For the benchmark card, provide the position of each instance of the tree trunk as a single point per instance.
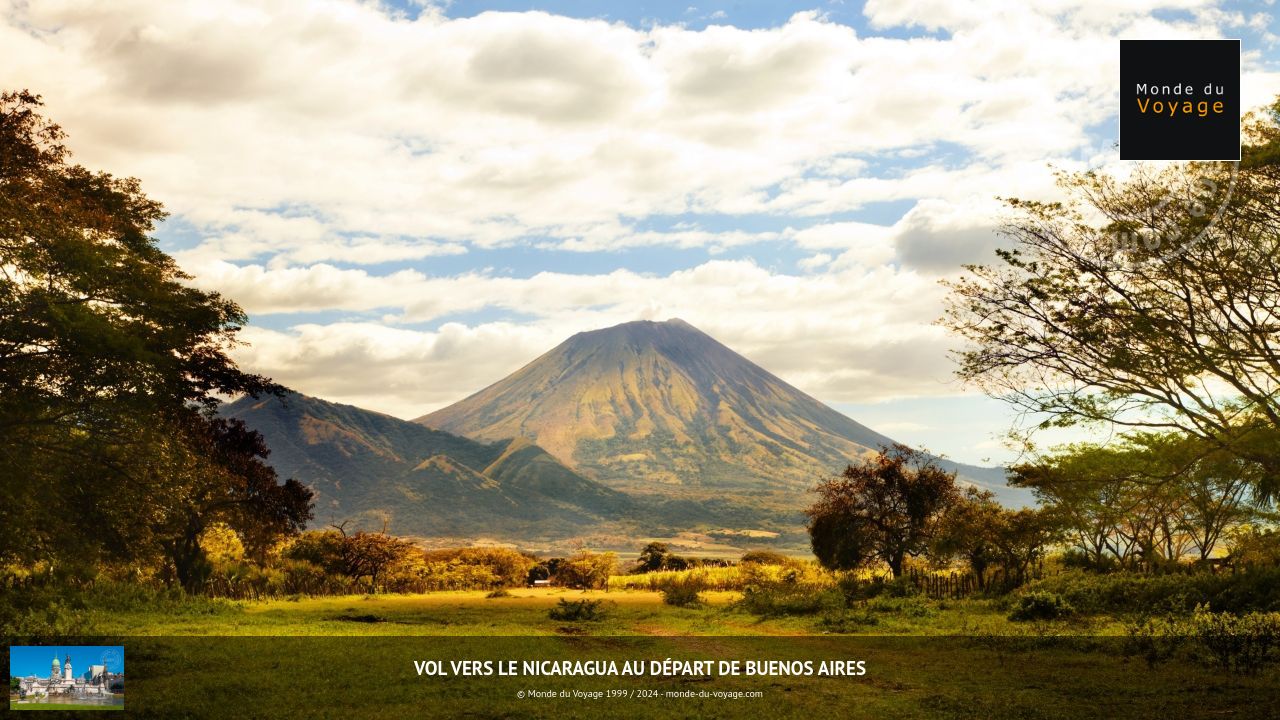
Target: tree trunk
(895, 564)
(186, 553)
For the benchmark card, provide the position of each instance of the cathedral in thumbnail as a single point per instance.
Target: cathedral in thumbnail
(62, 681)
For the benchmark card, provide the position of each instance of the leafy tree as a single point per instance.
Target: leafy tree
(322, 548)
(214, 473)
(654, 556)
(883, 510)
(1085, 489)
(587, 570)
(111, 366)
(1161, 315)
(1020, 539)
(370, 554)
(1146, 498)
(221, 544)
(1214, 488)
(1254, 545)
(986, 535)
(968, 529)
(765, 557)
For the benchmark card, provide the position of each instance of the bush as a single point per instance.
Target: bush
(845, 621)
(499, 593)
(899, 587)
(1038, 605)
(1156, 639)
(795, 600)
(1256, 589)
(577, 611)
(766, 557)
(683, 591)
(914, 606)
(1251, 546)
(1238, 643)
(795, 589)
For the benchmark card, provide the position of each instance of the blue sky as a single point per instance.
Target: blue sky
(36, 660)
(412, 200)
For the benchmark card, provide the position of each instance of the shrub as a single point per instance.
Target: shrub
(914, 606)
(499, 593)
(765, 557)
(845, 621)
(793, 600)
(1256, 589)
(1253, 546)
(1238, 643)
(683, 591)
(577, 611)
(1038, 605)
(1156, 639)
(899, 587)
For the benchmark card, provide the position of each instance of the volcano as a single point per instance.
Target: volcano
(662, 408)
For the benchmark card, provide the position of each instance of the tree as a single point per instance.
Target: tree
(1093, 494)
(369, 554)
(654, 556)
(221, 544)
(968, 531)
(587, 570)
(1215, 488)
(986, 535)
(1147, 498)
(1162, 315)
(1020, 538)
(217, 465)
(883, 510)
(111, 369)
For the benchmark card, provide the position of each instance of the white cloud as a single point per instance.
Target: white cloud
(856, 335)
(301, 139)
(815, 262)
(500, 127)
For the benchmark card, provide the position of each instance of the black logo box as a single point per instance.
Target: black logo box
(1187, 68)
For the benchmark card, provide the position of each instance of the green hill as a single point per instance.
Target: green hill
(369, 468)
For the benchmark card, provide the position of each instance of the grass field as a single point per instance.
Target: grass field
(352, 656)
(627, 612)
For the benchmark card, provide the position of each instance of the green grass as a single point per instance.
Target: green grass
(917, 678)
(629, 612)
(352, 656)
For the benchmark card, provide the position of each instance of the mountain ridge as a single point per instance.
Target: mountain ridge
(376, 469)
(663, 408)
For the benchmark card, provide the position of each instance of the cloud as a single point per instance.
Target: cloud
(508, 128)
(939, 236)
(308, 144)
(856, 335)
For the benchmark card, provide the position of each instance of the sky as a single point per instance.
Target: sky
(38, 660)
(412, 200)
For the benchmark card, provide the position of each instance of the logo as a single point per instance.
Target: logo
(1180, 100)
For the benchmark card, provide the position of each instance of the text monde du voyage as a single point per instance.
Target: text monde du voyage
(1179, 100)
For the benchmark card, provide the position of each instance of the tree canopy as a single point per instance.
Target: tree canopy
(1144, 499)
(883, 510)
(1151, 302)
(111, 369)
